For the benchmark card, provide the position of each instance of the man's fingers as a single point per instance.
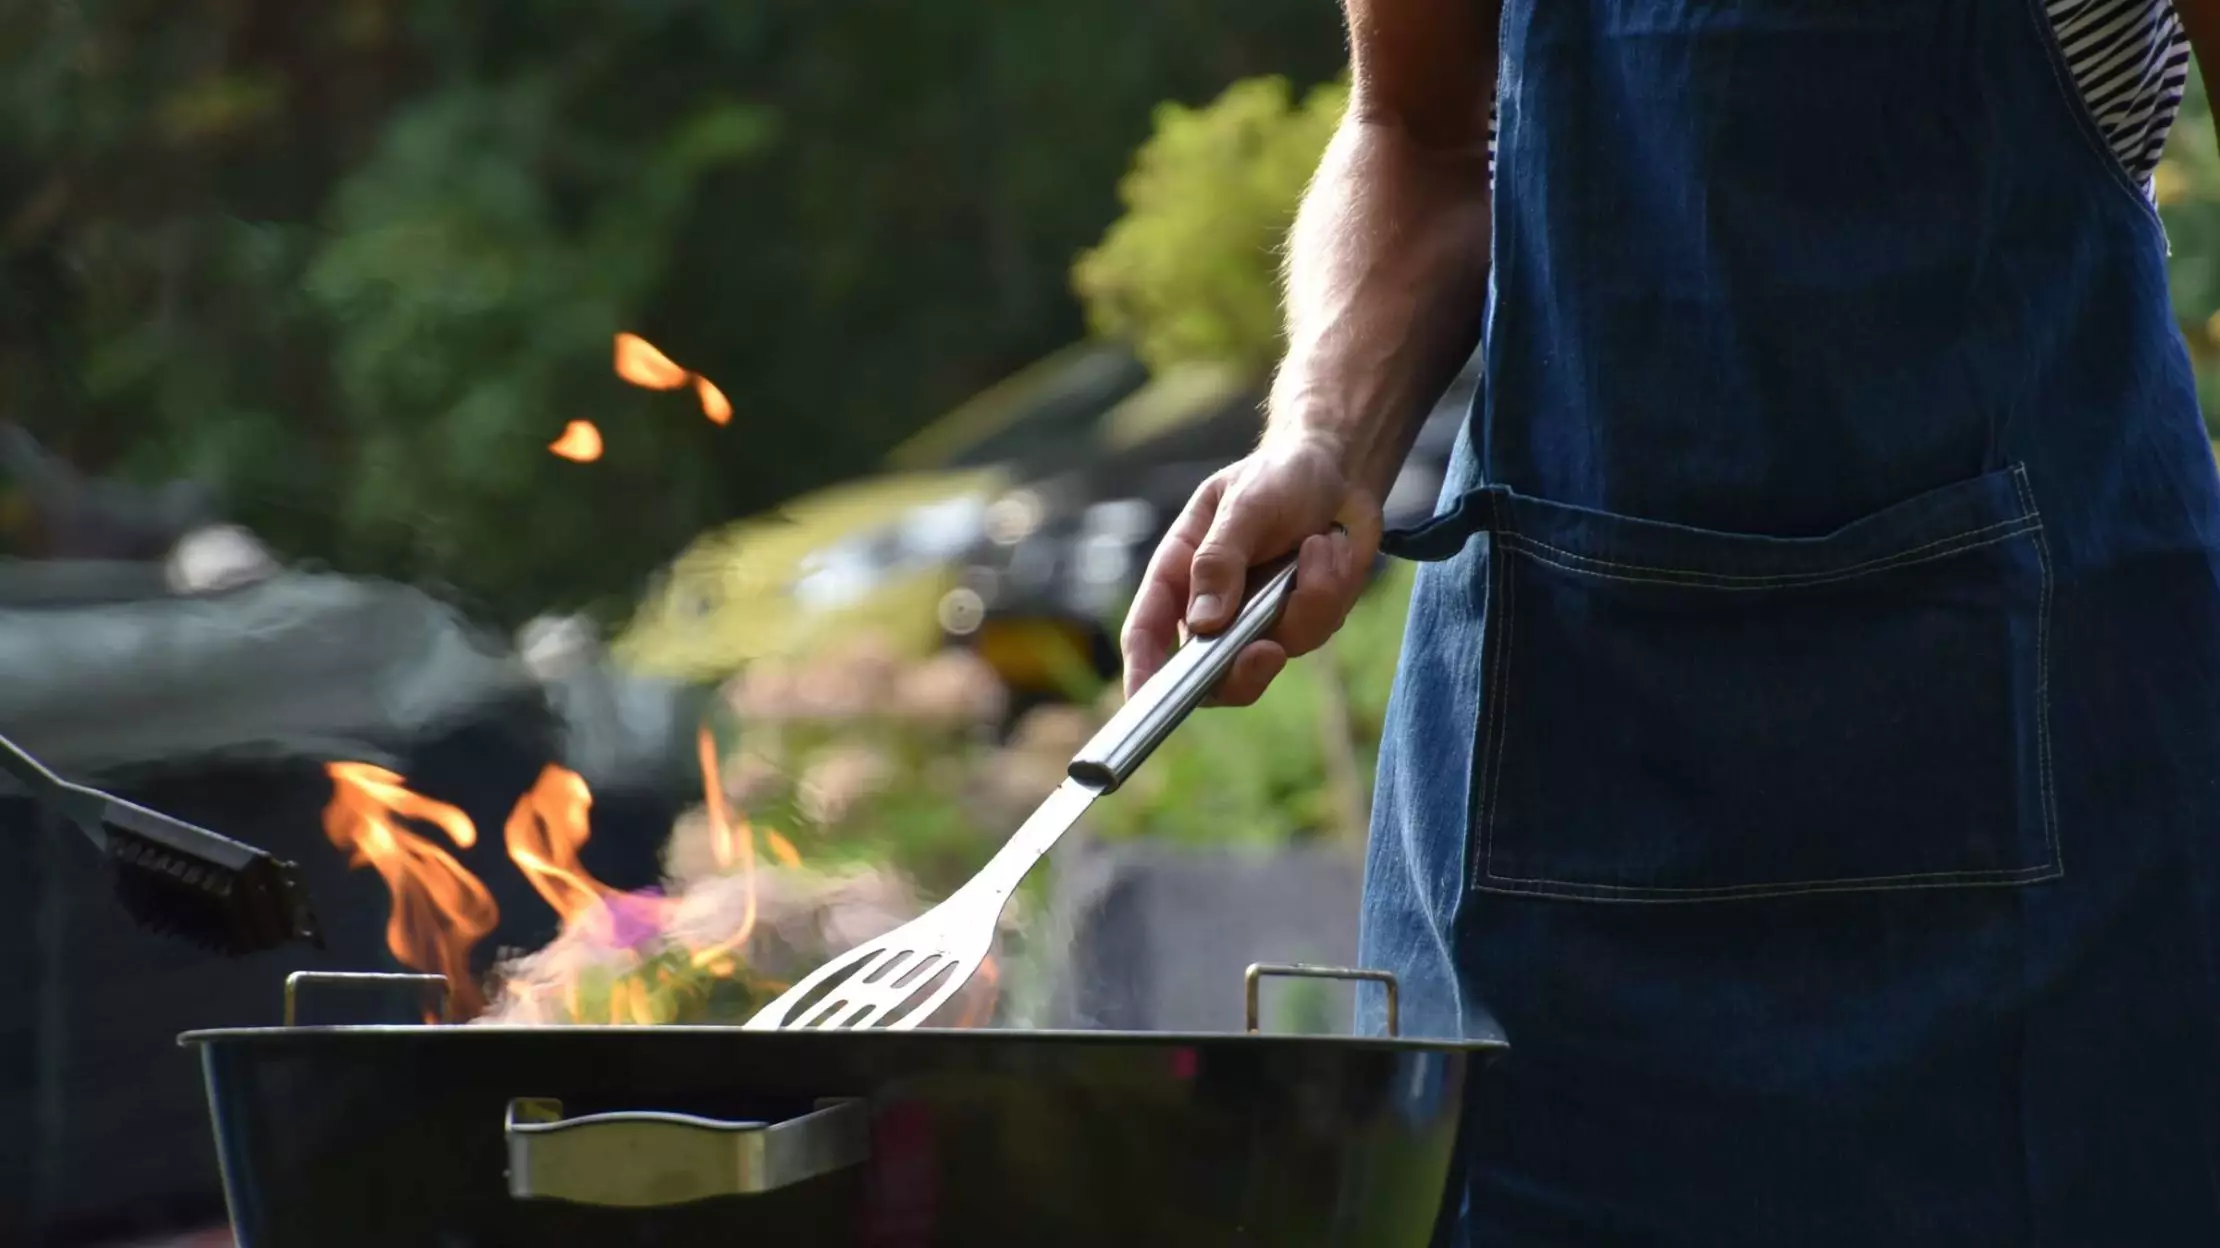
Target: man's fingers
(1159, 606)
(1252, 670)
(1200, 573)
(1361, 521)
(1330, 572)
(1320, 598)
(1152, 625)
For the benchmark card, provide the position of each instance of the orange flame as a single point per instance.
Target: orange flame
(629, 1003)
(580, 443)
(439, 908)
(714, 404)
(727, 845)
(544, 834)
(643, 364)
(640, 363)
(981, 1007)
(781, 848)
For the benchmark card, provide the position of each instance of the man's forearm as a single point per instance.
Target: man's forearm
(1386, 279)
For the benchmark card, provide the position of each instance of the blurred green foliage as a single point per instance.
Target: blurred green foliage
(2187, 188)
(357, 263)
(935, 794)
(1264, 775)
(924, 815)
(1190, 272)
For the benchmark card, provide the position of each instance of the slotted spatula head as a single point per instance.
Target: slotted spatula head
(895, 981)
(898, 980)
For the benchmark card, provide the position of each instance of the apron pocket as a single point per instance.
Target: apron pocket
(1675, 714)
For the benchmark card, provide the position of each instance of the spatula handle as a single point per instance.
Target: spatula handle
(1181, 684)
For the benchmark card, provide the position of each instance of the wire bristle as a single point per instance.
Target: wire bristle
(227, 911)
(171, 876)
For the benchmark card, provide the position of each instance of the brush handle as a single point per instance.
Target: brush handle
(76, 805)
(1181, 685)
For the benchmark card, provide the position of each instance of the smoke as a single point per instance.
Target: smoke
(800, 917)
(740, 913)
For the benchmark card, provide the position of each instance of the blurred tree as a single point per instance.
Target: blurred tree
(1190, 272)
(354, 265)
(479, 316)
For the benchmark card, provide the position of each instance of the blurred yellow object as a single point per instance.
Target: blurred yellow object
(1035, 655)
(877, 555)
(2169, 185)
(762, 587)
(1084, 377)
(1175, 397)
(16, 513)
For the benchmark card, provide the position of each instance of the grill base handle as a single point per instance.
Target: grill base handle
(648, 1159)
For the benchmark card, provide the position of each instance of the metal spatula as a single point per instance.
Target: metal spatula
(899, 979)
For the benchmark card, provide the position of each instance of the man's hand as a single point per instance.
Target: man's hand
(1387, 273)
(1284, 496)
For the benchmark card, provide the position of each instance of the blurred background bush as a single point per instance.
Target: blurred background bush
(355, 265)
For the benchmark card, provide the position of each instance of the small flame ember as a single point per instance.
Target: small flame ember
(580, 443)
(439, 908)
(714, 404)
(639, 362)
(643, 364)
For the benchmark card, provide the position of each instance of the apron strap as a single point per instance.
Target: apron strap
(1445, 534)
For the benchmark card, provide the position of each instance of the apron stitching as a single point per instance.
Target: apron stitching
(1699, 580)
(1877, 562)
(2042, 673)
(1498, 693)
(2083, 118)
(2029, 523)
(1570, 890)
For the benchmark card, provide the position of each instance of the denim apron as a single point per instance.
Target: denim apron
(1806, 750)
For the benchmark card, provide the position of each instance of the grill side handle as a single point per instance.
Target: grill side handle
(1303, 970)
(648, 1159)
